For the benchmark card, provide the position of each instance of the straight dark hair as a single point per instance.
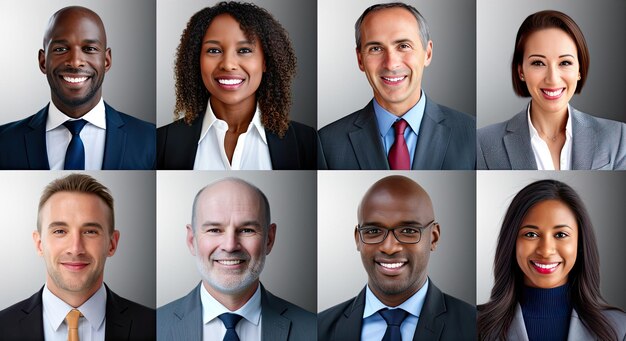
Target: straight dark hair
(495, 316)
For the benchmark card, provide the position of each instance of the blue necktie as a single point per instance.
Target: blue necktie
(75, 154)
(230, 321)
(394, 318)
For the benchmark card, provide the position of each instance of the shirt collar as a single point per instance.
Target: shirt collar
(94, 309)
(385, 119)
(211, 120)
(95, 116)
(413, 305)
(211, 308)
(535, 134)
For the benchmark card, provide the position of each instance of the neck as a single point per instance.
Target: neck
(232, 302)
(76, 111)
(73, 298)
(550, 124)
(238, 116)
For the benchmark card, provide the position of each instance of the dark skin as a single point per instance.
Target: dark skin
(396, 270)
(75, 59)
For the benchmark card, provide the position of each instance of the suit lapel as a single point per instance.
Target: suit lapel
(32, 322)
(365, 141)
(189, 315)
(433, 139)
(275, 326)
(351, 321)
(430, 324)
(584, 142)
(283, 152)
(517, 329)
(577, 330)
(115, 144)
(117, 325)
(517, 143)
(35, 141)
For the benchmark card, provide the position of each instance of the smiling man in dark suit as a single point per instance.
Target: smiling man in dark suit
(75, 235)
(401, 128)
(77, 130)
(230, 234)
(395, 236)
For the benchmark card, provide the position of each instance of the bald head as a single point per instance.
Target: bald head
(65, 17)
(232, 192)
(394, 188)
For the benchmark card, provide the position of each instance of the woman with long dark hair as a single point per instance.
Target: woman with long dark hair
(547, 272)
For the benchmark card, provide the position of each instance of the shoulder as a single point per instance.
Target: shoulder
(131, 122)
(290, 310)
(142, 316)
(23, 125)
(346, 123)
(12, 319)
(333, 312)
(602, 125)
(451, 115)
(617, 319)
(458, 306)
(301, 129)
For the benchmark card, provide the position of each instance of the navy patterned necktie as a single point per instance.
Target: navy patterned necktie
(230, 321)
(75, 154)
(394, 318)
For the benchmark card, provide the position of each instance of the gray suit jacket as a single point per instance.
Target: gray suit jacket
(281, 320)
(446, 140)
(577, 331)
(597, 143)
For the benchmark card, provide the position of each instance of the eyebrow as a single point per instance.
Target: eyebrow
(245, 223)
(402, 223)
(542, 56)
(553, 227)
(64, 224)
(217, 42)
(395, 42)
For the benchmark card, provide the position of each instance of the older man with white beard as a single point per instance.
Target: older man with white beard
(230, 234)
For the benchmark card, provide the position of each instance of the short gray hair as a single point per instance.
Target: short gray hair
(421, 21)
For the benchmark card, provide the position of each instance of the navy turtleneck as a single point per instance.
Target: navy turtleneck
(546, 312)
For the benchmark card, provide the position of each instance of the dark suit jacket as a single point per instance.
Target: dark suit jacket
(597, 143)
(125, 320)
(281, 320)
(443, 317)
(130, 142)
(177, 143)
(445, 141)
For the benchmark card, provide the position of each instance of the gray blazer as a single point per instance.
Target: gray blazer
(597, 143)
(577, 331)
(281, 320)
(446, 140)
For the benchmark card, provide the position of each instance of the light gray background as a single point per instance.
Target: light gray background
(450, 79)
(297, 17)
(603, 193)
(129, 86)
(290, 269)
(130, 272)
(602, 22)
(451, 267)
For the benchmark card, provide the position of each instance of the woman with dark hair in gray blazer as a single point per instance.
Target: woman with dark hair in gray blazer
(547, 272)
(550, 64)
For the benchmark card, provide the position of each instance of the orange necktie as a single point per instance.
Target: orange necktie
(72, 324)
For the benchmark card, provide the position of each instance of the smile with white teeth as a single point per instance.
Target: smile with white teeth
(553, 93)
(230, 262)
(545, 266)
(231, 81)
(74, 79)
(391, 265)
(394, 79)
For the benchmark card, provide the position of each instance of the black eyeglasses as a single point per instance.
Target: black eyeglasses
(403, 234)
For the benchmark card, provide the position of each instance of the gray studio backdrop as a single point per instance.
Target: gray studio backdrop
(340, 271)
(602, 22)
(297, 17)
(129, 86)
(603, 193)
(290, 269)
(130, 272)
(450, 79)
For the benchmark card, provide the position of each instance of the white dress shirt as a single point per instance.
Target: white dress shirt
(251, 150)
(543, 158)
(248, 328)
(91, 325)
(93, 136)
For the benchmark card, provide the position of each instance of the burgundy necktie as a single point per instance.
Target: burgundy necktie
(399, 153)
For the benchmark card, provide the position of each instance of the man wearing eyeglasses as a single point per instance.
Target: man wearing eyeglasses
(395, 235)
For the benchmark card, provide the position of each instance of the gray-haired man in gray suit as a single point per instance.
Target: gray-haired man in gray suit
(230, 234)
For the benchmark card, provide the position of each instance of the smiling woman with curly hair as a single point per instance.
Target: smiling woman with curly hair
(234, 68)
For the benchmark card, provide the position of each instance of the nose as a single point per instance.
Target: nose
(392, 59)
(546, 247)
(390, 245)
(228, 62)
(552, 75)
(230, 241)
(77, 245)
(75, 58)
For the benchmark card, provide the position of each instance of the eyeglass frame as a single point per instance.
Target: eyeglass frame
(393, 231)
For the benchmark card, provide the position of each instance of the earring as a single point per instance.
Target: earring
(579, 78)
(522, 78)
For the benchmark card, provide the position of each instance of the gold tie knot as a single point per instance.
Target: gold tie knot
(72, 324)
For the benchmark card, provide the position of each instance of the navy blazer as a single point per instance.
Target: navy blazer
(130, 142)
(177, 143)
(125, 320)
(446, 140)
(443, 317)
(280, 320)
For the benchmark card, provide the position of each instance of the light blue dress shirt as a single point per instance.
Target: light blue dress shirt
(374, 325)
(385, 121)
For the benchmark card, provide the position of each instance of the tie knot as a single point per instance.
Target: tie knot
(75, 126)
(393, 317)
(230, 320)
(399, 126)
(72, 318)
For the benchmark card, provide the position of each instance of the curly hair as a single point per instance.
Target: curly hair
(274, 92)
